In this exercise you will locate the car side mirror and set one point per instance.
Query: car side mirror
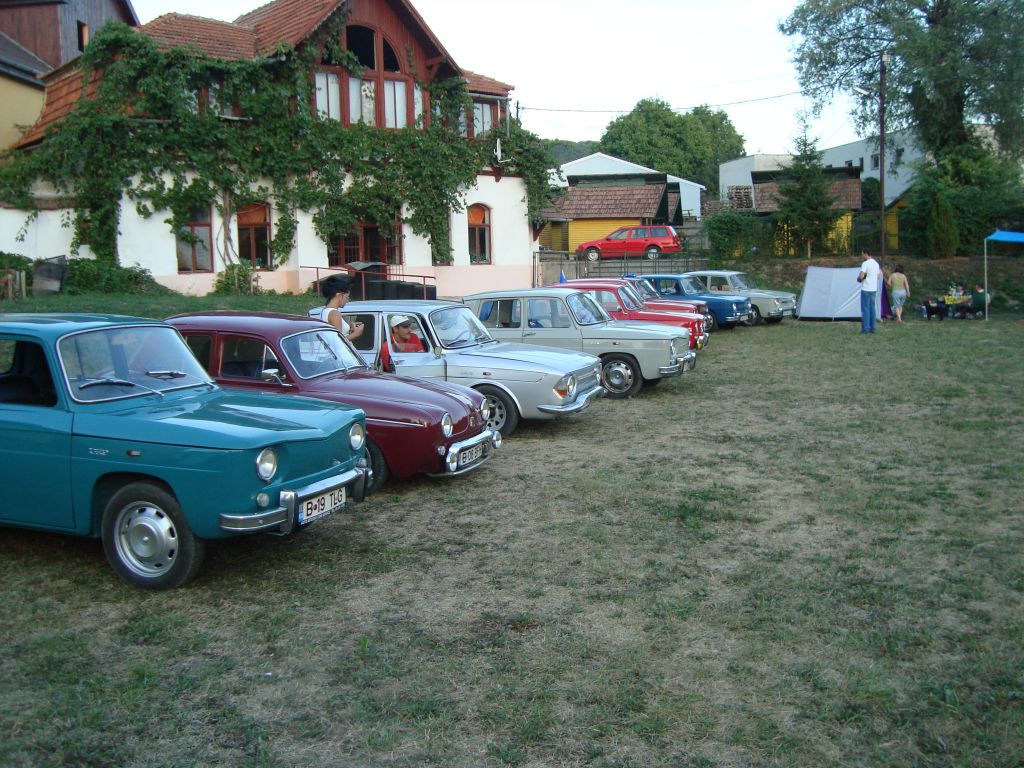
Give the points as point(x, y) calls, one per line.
point(273, 376)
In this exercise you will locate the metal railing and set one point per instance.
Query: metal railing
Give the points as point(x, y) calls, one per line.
point(384, 281)
point(548, 266)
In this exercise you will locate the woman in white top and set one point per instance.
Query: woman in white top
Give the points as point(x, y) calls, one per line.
point(335, 290)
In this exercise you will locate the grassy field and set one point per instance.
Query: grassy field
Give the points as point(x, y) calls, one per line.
point(808, 552)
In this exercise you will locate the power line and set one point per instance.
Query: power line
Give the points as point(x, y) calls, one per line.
point(674, 109)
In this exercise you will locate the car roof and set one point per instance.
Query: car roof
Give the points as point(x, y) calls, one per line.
point(241, 321)
point(422, 306)
point(55, 325)
point(548, 291)
point(718, 272)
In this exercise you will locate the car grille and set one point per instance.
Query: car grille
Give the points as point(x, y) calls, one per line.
point(586, 379)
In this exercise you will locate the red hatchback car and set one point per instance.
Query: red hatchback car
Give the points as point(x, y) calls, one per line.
point(622, 302)
point(412, 425)
point(650, 240)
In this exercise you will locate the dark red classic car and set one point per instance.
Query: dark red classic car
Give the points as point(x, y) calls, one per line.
point(622, 302)
point(413, 425)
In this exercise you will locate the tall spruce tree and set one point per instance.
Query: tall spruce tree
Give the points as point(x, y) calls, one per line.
point(805, 203)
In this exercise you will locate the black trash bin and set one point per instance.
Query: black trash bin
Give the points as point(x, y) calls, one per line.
point(48, 275)
point(361, 272)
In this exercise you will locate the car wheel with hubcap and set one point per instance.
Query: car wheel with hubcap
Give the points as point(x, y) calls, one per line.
point(620, 375)
point(593, 254)
point(755, 315)
point(653, 252)
point(712, 324)
point(146, 539)
point(504, 414)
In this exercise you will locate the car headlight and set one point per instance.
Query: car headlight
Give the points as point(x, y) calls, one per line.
point(446, 425)
point(566, 386)
point(266, 464)
point(357, 436)
point(673, 350)
point(485, 411)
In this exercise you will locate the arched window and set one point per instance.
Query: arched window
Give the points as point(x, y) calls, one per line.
point(381, 94)
point(479, 217)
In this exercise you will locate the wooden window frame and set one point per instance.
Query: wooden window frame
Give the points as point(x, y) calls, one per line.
point(194, 225)
point(478, 230)
point(252, 229)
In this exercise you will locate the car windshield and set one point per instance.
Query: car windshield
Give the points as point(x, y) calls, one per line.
point(458, 327)
point(127, 361)
point(586, 309)
point(320, 352)
point(741, 282)
point(692, 285)
point(630, 298)
point(645, 289)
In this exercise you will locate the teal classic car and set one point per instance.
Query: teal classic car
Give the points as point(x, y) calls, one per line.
point(110, 428)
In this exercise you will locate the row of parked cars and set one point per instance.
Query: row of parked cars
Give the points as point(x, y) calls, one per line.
point(157, 436)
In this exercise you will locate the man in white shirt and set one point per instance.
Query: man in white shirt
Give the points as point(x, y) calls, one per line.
point(868, 279)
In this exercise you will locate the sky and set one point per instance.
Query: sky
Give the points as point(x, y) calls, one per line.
point(578, 64)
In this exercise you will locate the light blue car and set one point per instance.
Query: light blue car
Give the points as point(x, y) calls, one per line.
point(110, 428)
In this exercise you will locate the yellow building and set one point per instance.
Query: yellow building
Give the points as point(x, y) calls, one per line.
point(21, 92)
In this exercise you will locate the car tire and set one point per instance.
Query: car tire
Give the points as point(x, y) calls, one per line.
point(653, 252)
point(504, 414)
point(375, 458)
point(620, 376)
point(712, 324)
point(146, 539)
point(755, 316)
point(593, 254)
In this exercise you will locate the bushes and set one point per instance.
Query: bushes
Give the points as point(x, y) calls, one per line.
point(89, 276)
point(237, 280)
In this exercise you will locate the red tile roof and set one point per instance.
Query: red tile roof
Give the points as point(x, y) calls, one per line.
point(218, 39)
point(846, 192)
point(481, 84)
point(626, 201)
point(63, 89)
point(286, 21)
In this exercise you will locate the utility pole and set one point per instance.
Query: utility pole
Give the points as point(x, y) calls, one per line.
point(881, 152)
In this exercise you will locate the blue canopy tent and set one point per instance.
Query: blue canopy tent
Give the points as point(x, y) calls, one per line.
point(999, 236)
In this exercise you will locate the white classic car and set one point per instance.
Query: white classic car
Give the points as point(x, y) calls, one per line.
point(444, 340)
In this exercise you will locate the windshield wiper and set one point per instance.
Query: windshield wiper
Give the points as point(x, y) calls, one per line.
point(167, 374)
point(112, 382)
point(326, 346)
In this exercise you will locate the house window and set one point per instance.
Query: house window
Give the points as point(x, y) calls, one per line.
point(483, 118)
point(417, 105)
point(365, 243)
point(898, 161)
point(479, 217)
point(194, 243)
point(254, 235)
point(328, 96)
point(362, 101)
point(874, 162)
point(395, 108)
point(83, 35)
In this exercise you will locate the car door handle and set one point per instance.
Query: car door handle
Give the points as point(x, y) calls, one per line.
point(529, 333)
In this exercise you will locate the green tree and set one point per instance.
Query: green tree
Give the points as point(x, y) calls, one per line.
point(690, 146)
point(805, 203)
point(952, 62)
point(563, 151)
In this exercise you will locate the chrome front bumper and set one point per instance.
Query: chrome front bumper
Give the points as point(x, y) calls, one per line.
point(281, 519)
point(688, 361)
point(490, 439)
point(671, 370)
point(577, 405)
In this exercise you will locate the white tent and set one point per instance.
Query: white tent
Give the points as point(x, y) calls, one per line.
point(831, 294)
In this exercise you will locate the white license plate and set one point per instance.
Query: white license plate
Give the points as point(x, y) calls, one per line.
point(470, 455)
point(321, 506)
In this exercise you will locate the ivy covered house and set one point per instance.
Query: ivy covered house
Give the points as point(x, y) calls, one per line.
point(302, 137)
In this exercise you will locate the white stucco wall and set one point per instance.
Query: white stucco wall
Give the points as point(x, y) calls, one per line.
point(42, 237)
point(899, 176)
point(149, 243)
